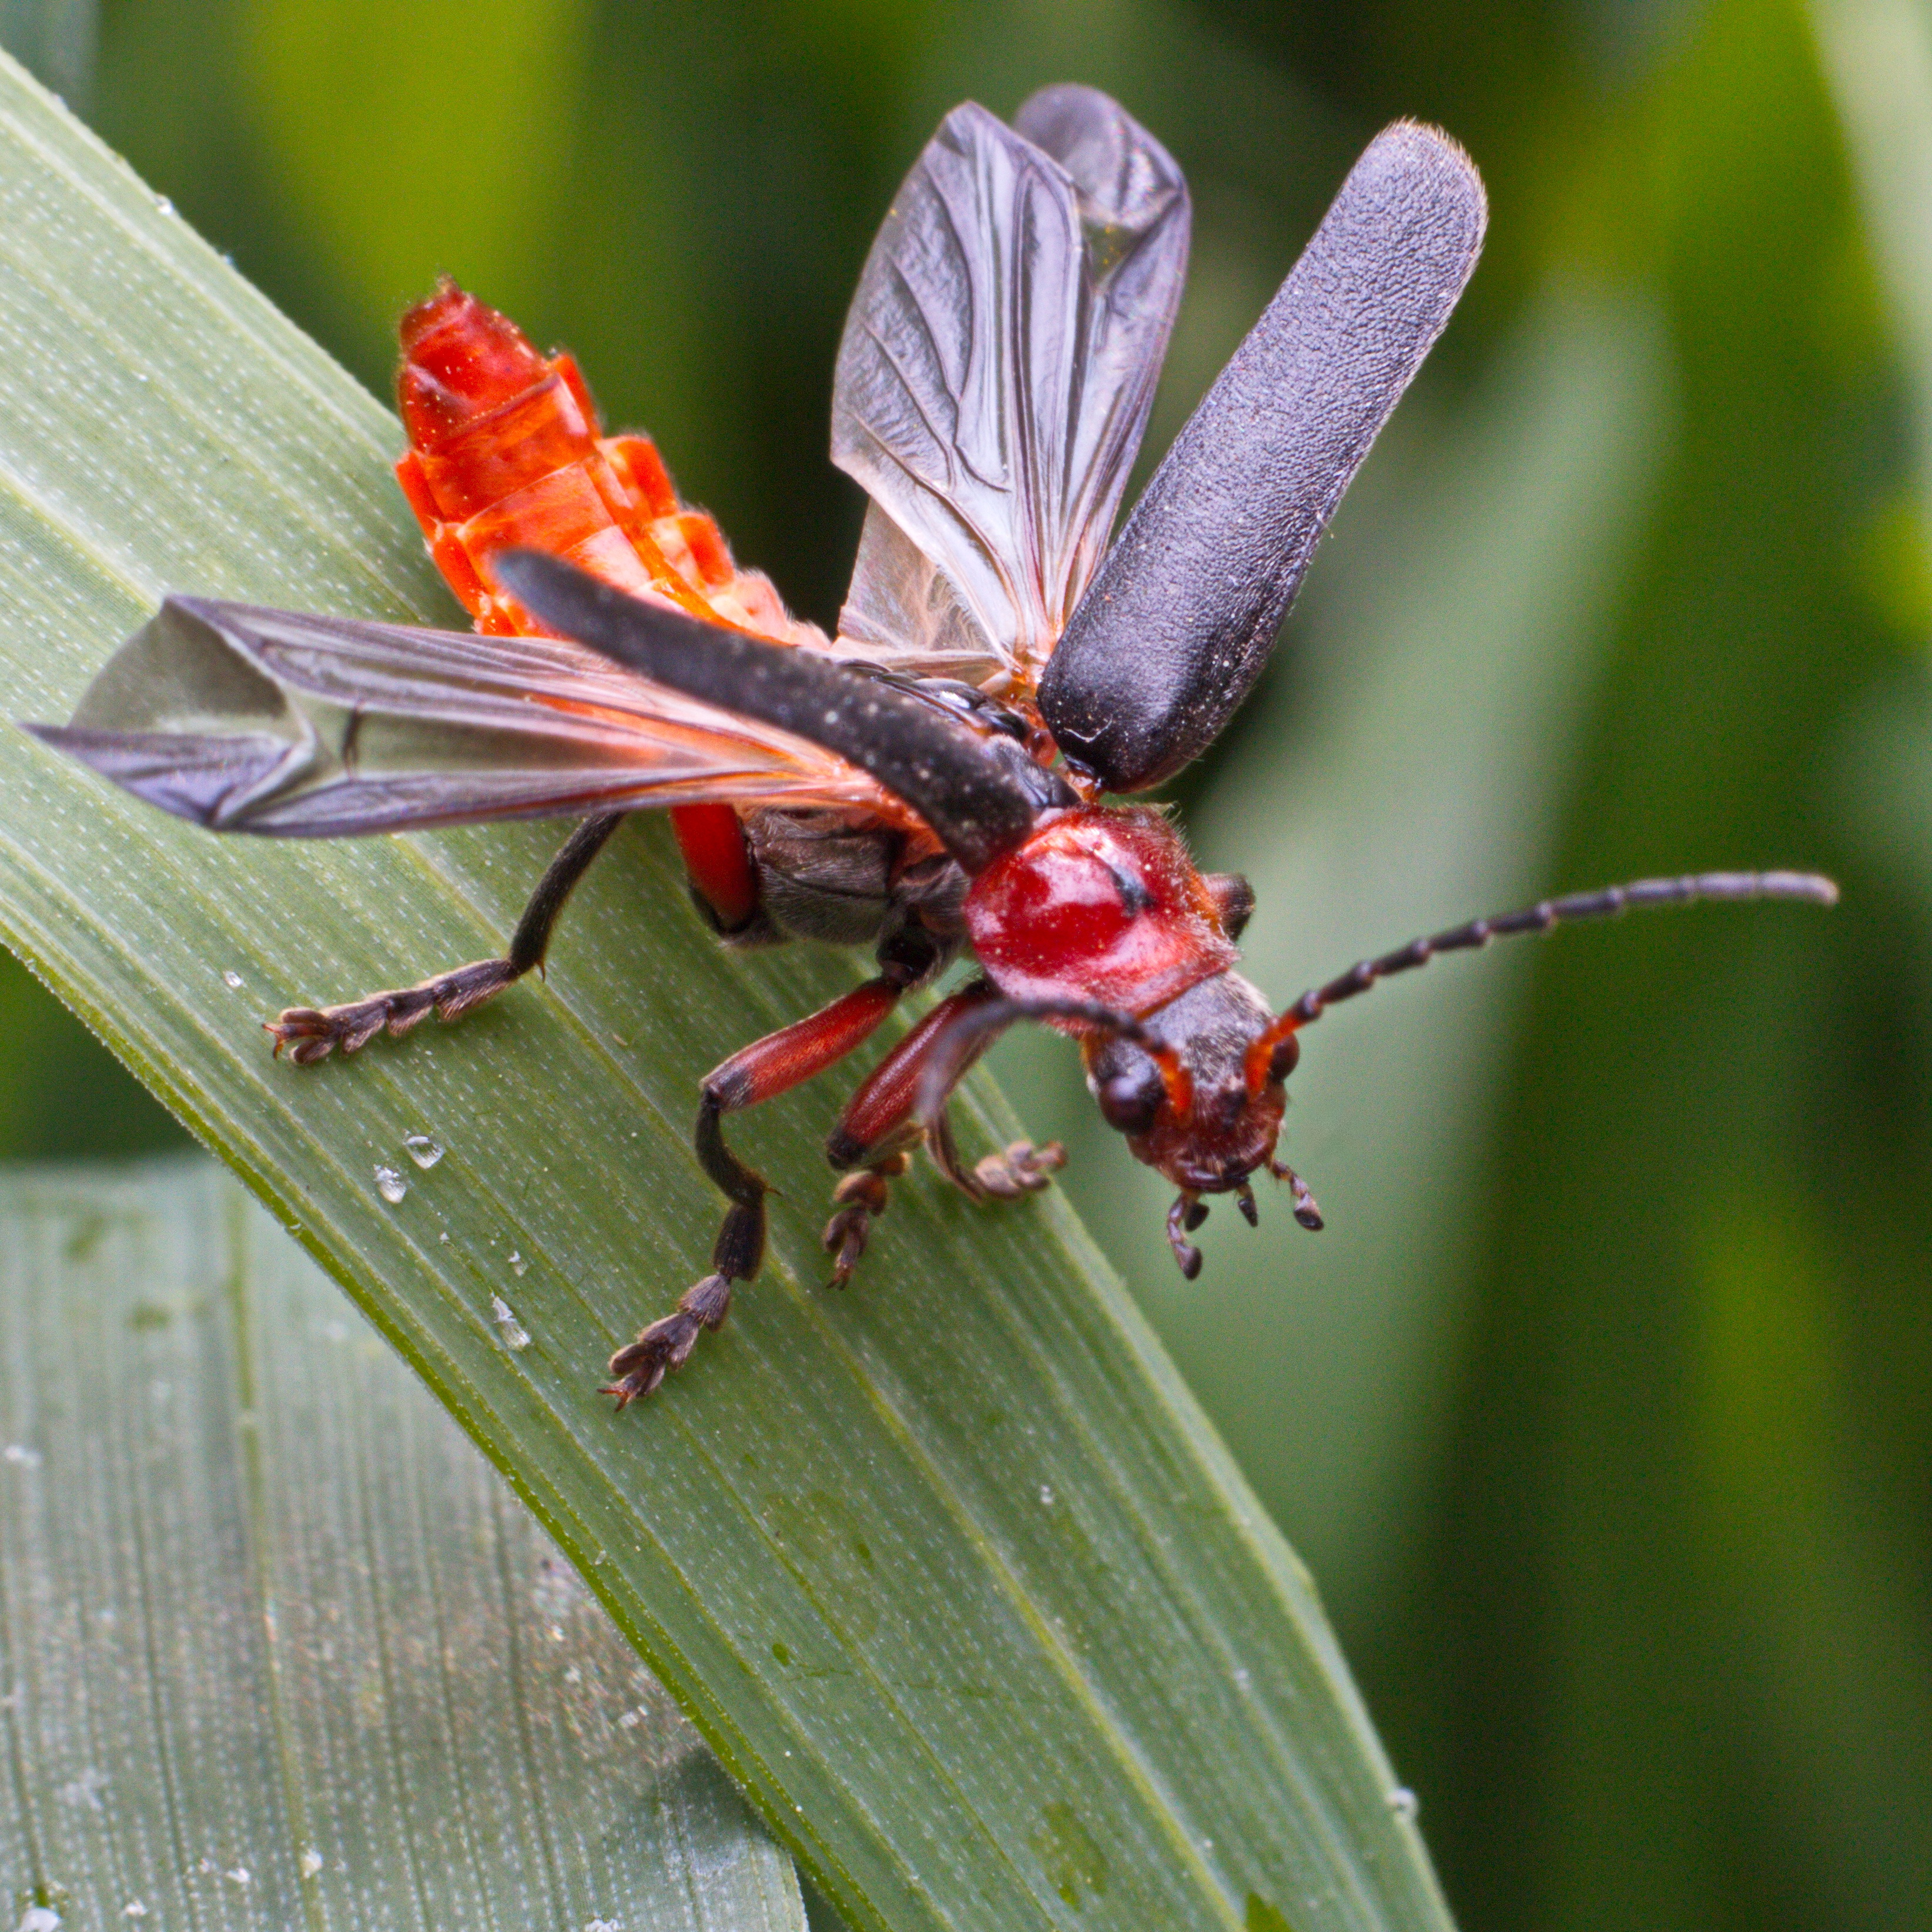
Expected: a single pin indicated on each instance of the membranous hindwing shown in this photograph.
(998, 366)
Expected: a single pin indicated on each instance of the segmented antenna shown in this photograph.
(1611, 902)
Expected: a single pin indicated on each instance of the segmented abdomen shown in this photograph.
(506, 452)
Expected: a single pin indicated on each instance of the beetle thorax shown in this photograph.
(1099, 903)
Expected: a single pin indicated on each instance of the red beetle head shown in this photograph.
(1200, 1095)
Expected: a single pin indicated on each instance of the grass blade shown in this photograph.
(280, 1647)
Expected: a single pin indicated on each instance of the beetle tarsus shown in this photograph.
(1181, 1217)
(1021, 1170)
(314, 1033)
(1305, 1211)
(638, 1367)
(755, 1073)
(859, 1198)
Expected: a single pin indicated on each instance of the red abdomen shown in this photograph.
(506, 453)
(1102, 903)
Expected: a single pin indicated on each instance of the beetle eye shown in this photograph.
(1129, 1103)
(1286, 1056)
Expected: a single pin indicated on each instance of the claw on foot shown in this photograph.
(639, 1367)
(1022, 1169)
(314, 1033)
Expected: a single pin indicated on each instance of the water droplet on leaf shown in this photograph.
(421, 1149)
(389, 1184)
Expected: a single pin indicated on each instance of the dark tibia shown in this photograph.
(762, 1071)
(879, 1125)
(1610, 903)
(313, 1032)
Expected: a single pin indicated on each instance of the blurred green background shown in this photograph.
(1603, 1410)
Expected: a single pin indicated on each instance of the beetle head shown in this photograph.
(1204, 1120)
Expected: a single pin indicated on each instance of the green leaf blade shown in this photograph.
(948, 1568)
(279, 1648)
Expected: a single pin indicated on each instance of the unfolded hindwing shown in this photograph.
(997, 365)
(251, 720)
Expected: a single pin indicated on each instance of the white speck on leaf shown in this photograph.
(515, 1334)
(389, 1184)
(84, 1792)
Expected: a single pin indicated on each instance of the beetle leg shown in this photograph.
(861, 1197)
(762, 1071)
(719, 865)
(313, 1032)
(1022, 1168)
(870, 1142)
(1180, 1218)
(1305, 1211)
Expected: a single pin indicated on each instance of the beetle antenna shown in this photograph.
(962, 1042)
(1611, 902)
